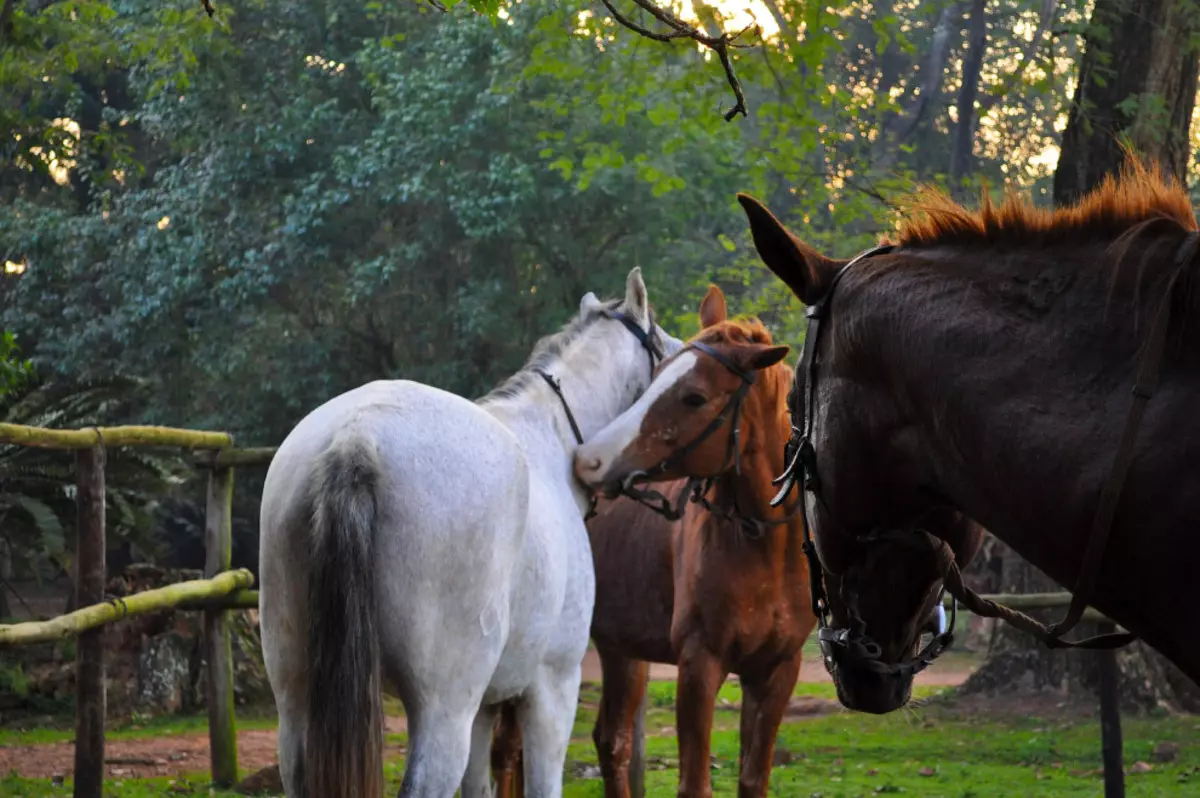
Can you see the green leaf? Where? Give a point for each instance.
(50, 531)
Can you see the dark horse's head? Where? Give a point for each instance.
(883, 539)
(981, 369)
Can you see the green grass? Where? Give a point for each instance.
(933, 750)
(135, 728)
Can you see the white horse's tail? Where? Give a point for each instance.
(344, 739)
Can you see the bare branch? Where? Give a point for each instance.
(678, 29)
(639, 30)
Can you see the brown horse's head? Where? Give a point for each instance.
(703, 409)
(882, 577)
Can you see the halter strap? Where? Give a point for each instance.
(648, 340)
(803, 462)
(556, 386)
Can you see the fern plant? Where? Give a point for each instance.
(37, 488)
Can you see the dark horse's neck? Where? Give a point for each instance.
(1000, 384)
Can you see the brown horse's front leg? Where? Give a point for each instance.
(763, 704)
(700, 676)
(621, 695)
(507, 762)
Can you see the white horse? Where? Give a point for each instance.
(410, 533)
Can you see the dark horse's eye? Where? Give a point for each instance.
(694, 400)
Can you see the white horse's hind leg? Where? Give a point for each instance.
(546, 716)
(293, 724)
(439, 746)
(477, 783)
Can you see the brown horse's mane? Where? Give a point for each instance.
(1115, 207)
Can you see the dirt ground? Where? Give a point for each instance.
(811, 670)
(179, 755)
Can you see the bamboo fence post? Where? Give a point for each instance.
(1110, 720)
(89, 589)
(218, 543)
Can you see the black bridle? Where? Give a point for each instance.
(649, 342)
(841, 645)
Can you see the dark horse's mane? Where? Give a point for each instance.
(1107, 213)
(1140, 207)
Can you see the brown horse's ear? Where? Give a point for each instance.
(712, 309)
(802, 268)
(760, 356)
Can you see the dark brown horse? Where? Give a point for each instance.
(984, 366)
(725, 589)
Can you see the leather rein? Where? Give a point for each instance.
(801, 467)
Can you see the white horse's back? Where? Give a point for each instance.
(410, 533)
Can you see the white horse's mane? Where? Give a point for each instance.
(547, 352)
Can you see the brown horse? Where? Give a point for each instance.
(725, 589)
(984, 365)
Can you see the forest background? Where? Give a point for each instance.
(222, 221)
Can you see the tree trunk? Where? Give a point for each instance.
(1137, 82)
(964, 132)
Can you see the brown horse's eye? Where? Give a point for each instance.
(694, 400)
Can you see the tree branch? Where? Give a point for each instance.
(678, 29)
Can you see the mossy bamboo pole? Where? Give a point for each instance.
(256, 456)
(91, 617)
(218, 547)
(237, 600)
(112, 436)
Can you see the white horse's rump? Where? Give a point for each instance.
(411, 533)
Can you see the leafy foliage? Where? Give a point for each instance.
(257, 213)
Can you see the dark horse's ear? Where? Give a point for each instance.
(802, 268)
